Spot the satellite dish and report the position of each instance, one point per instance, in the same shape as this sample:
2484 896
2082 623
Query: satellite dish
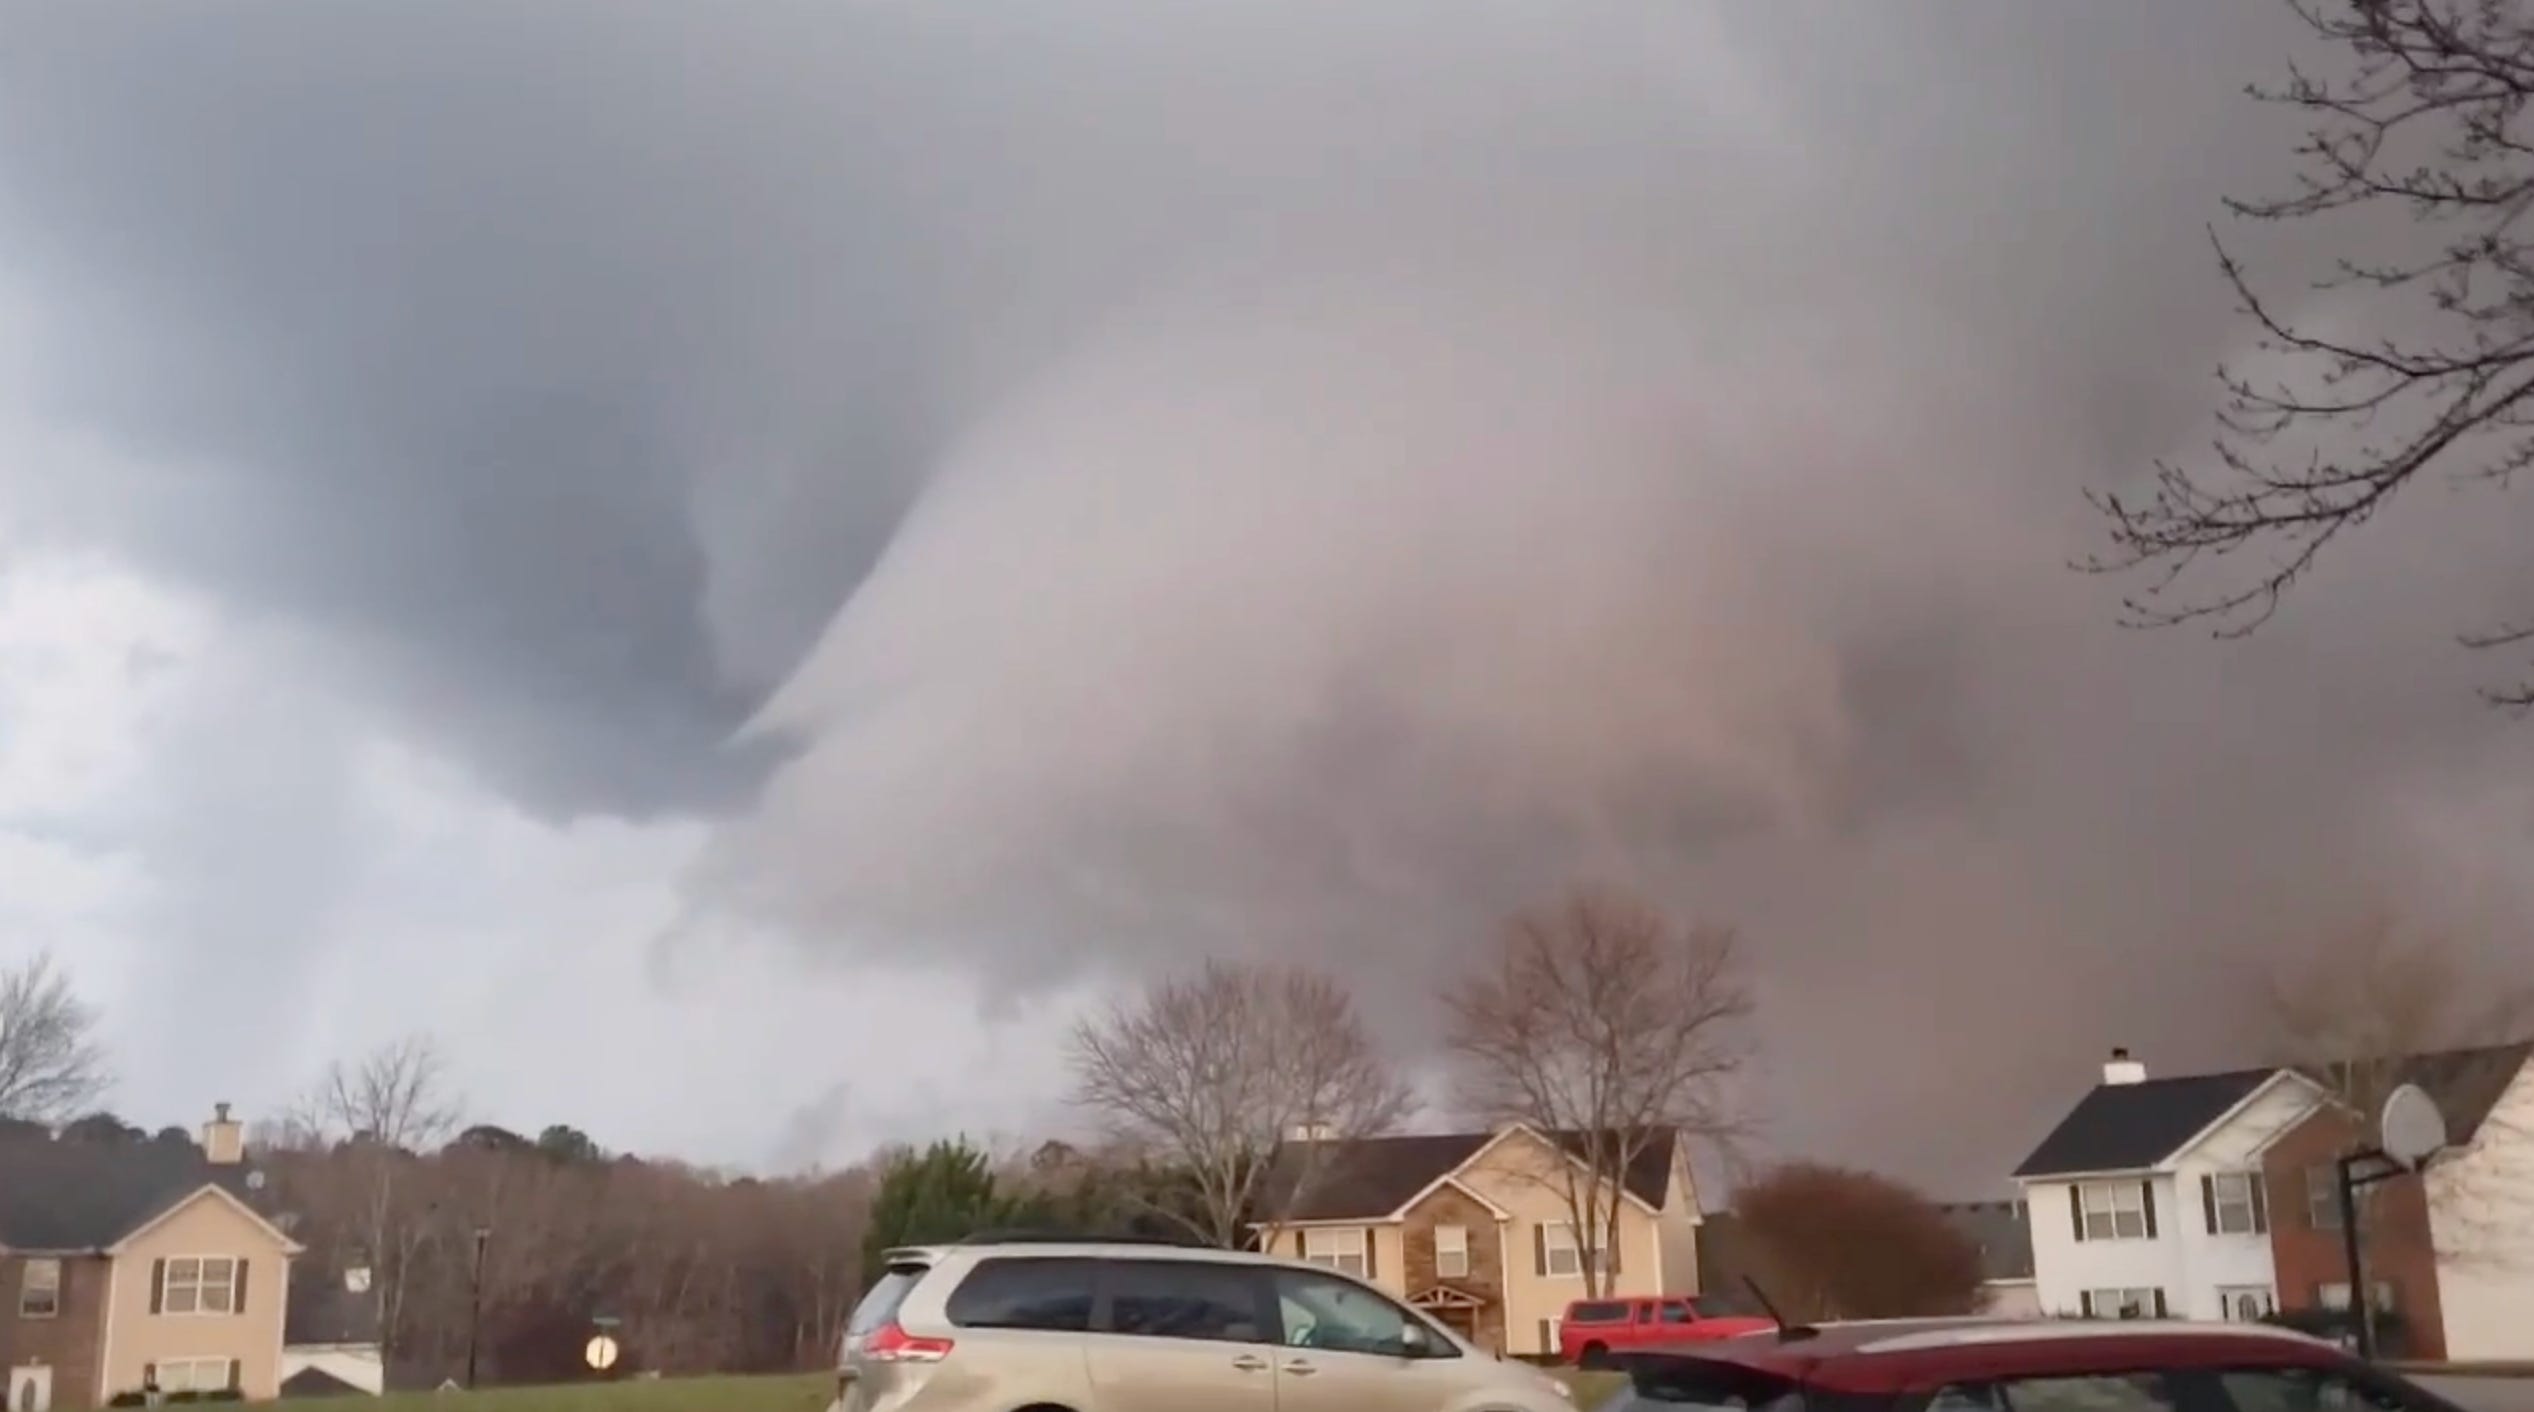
2411 1130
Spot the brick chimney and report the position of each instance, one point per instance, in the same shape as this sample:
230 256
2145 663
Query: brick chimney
2120 1069
223 1138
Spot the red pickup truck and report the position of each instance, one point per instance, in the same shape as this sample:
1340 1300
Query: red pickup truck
1593 1329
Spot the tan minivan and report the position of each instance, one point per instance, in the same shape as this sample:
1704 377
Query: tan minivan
1101 1327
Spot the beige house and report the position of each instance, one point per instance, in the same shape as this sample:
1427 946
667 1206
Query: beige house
1477 1228
133 1263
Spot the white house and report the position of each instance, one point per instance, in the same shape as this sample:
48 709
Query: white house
2147 1200
2210 1196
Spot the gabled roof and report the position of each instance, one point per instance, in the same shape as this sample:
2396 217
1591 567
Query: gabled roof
1369 1179
72 1195
2466 1083
2131 1127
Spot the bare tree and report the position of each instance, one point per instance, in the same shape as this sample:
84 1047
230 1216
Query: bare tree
50 1062
2376 1005
1211 1072
1602 1025
2421 119
381 1113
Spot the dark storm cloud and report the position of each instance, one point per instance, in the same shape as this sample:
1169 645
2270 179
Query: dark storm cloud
1292 477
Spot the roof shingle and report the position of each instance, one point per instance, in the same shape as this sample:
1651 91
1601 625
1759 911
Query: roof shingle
2127 1127
71 1195
1368 1178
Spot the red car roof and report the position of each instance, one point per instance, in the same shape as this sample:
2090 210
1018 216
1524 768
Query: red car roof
1882 1356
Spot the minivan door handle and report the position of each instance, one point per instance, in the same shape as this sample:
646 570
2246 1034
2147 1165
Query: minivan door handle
1250 1363
1301 1368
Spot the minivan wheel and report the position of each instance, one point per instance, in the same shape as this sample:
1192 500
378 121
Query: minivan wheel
1594 1357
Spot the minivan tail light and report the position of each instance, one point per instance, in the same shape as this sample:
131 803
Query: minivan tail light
891 1344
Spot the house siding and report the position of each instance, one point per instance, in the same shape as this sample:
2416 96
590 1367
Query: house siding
205 1225
2400 1248
2183 1259
1527 1178
1449 1206
2482 1221
71 1342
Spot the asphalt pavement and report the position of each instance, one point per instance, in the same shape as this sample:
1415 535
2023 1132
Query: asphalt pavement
2484 1394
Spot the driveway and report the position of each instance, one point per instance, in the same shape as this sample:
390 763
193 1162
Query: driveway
2484 1394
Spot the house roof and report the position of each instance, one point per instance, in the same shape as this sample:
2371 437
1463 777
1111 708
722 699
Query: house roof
2127 1127
317 1382
2003 1231
72 1195
2466 1083
1369 1178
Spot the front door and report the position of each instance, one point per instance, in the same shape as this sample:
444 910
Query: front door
31 1389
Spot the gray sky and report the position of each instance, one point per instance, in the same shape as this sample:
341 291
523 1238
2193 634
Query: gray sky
738 563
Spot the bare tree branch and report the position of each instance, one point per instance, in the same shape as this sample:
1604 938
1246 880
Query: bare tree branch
2424 117
1600 1024
1211 1072
50 1063
2358 1013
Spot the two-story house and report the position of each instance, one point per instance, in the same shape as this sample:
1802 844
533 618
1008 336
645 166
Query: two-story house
134 1264
2215 1196
2147 1200
2450 1255
1477 1229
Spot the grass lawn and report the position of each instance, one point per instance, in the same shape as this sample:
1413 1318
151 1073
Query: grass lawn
807 1393
804 1393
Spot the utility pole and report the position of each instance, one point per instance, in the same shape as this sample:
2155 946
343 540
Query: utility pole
475 1304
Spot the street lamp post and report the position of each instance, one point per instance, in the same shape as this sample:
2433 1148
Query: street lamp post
475 1303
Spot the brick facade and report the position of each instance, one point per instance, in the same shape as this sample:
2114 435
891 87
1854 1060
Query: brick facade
1450 1206
2309 1254
69 1342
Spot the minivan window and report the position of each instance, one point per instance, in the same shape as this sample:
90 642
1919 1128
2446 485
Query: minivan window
1020 1293
1190 1299
1598 1312
879 1306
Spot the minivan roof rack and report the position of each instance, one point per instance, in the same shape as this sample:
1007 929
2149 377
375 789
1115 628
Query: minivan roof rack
1048 1237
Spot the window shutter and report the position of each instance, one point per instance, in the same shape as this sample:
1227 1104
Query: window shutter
233 1375
1540 1249
2147 1198
1372 1266
2076 1208
2260 1204
2208 1200
2085 1303
237 1291
2160 1309
158 1288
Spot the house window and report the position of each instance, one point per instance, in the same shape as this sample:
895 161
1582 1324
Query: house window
1558 1255
40 1289
2322 1197
2334 1295
204 1284
2122 1303
192 1374
2234 1204
1341 1250
2114 1210
2246 1304
1451 1252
